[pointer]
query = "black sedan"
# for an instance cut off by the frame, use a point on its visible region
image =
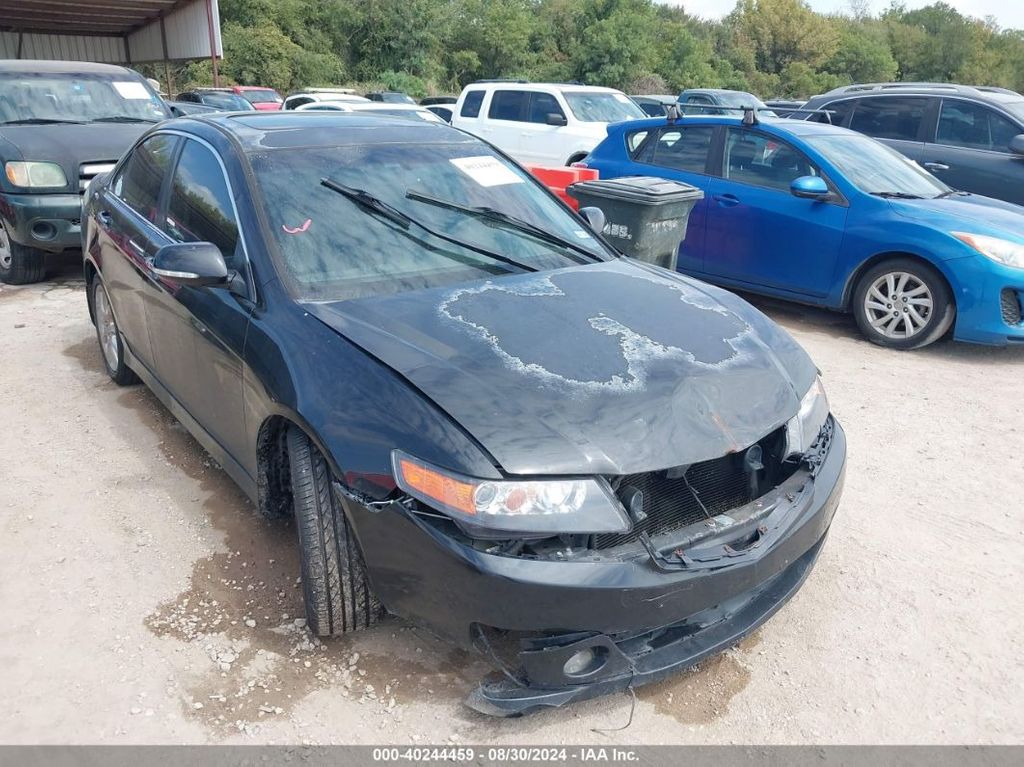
(483, 419)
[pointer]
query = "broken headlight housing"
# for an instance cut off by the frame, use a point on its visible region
(489, 508)
(802, 429)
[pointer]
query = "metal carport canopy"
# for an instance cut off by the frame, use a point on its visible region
(112, 31)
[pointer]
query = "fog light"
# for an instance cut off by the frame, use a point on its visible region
(586, 661)
(44, 230)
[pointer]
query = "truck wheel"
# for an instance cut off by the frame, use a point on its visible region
(903, 304)
(19, 265)
(109, 337)
(334, 583)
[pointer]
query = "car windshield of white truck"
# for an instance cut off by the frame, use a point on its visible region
(602, 106)
(33, 98)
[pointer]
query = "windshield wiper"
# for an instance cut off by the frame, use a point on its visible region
(950, 193)
(122, 119)
(897, 195)
(513, 222)
(40, 121)
(367, 201)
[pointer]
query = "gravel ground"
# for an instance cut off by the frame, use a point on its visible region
(144, 602)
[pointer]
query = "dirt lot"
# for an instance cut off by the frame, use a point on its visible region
(143, 601)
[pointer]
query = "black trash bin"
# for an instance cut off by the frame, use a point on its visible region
(645, 217)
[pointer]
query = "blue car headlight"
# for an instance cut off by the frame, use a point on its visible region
(1002, 251)
(517, 507)
(802, 429)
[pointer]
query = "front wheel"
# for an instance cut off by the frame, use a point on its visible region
(19, 265)
(334, 581)
(903, 304)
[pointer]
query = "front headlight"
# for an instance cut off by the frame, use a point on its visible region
(530, 507)
(33, 175)
(1004, 251)
(802, 429)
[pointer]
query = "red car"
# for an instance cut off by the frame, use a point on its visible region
(263, 99)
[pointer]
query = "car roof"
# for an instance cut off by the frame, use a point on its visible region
(522, 85)
(257, 131)
(779, 126)
(37, 66)
(253, 88)
(979, 92)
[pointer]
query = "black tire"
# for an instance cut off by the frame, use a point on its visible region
(334, 582)
(19, 265)
(921, 282)
(578, 157)
(108, 335)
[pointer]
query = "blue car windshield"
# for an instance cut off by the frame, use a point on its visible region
(876, 169)
(334, 248)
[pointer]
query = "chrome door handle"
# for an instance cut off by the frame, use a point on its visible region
(935, 166)
(136, 247)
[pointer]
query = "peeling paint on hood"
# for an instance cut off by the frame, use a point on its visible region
(610, 368)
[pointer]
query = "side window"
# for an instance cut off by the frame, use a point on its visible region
(753, 158)
(894, 117)
(541, 105)
(507, 105)
(141, 177)
(699, 101)
(471, 104)
(297, 101)
(681, 148)
(199, 208)
(634, 141)
(976, 127)
(839, 112)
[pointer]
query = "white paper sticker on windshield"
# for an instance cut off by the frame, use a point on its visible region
(486, 170)
(132, 90)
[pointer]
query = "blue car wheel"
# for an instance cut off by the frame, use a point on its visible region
(903, 304)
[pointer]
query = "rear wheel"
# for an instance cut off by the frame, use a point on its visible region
(109, 337)
(334, 582)
(903, 304)
(19, 265)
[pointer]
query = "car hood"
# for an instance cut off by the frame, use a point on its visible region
(610, 368)
(69, 145)
(969, 213)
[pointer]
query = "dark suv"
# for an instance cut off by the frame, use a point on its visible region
(61, 124)
(970, 137)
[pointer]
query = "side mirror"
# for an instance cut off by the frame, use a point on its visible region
(594, 217)
(554, 118)
(810, 188)
(191, 263)
(1017, 144)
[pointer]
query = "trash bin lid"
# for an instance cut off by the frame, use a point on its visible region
(643, 189)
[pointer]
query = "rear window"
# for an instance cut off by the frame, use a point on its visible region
(507, 105)
(261, 97)
(471, 104)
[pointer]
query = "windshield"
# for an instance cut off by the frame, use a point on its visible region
(27, 97)
(415, 114)
(602, 106)
(874, 168)
(740, 99)
(333, 249)
(1016, 108)
(261, 97)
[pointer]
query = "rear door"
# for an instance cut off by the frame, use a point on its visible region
(199, 333)
(506, 121)
(758, 233)
(971, 151)
(539, 142)
(680, 153)
(902, 122)
(127, 212)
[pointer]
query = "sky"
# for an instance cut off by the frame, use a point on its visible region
(1008, 13)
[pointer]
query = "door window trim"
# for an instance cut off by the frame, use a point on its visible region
(649, 145)
(122, 166)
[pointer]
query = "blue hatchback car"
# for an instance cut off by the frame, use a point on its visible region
(822, 215)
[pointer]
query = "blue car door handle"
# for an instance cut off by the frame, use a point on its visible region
(726, 200)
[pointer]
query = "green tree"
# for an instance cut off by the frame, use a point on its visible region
(863, 54)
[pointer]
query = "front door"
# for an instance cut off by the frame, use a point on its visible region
(126, 237)
(758, 233)
(972, 151)
(199, 333)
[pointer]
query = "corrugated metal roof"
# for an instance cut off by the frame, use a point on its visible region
(116, 31)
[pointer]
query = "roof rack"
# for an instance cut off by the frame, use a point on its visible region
(947, 87)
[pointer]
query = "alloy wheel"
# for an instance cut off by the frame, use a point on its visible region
(898, 305)
(6, 257)
(106, 328)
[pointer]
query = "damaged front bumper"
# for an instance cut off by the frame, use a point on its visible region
(609, 620)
